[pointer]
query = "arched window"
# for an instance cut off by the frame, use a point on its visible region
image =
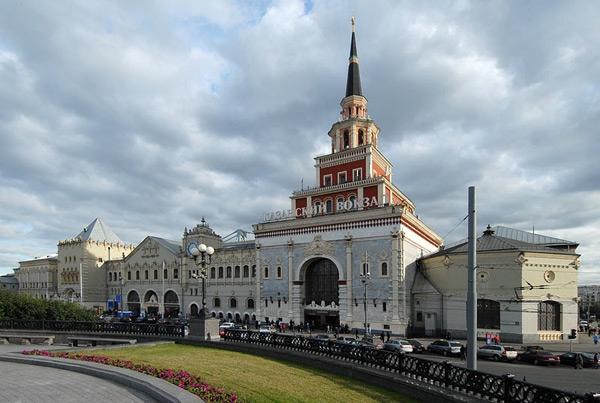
(228, 271)
(317, 208)
(145, 274)
(384, 305)
(361, 137)
(549, 315)
(220, 271)
(365, 268)
(488, 314)
(155, 274)
(109, 276)
(165, 274)
(329, 206)
(233, 303)
(250, 303)
(384, 269)
(175, 274)
(246, 271)
(129, 275)
(236, 272)
(266, 272)
(253, 270)
(137, 274)
(279, 273)
(352, 200)
(213, 272)
(217, 302)
(346, 139)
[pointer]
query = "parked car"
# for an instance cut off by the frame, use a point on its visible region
(266, 329)
(321, 337)
(227, 325)
(418, 347)
(398, 345)
(537, 357)
(569, 359)
(444, 347)
(497, 352)
(345, 340)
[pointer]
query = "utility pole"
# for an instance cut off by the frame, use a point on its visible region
(472, 286)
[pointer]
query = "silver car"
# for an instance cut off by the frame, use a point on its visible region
(497, 352)
(401, 345)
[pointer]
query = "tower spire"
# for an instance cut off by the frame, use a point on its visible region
(353, 82)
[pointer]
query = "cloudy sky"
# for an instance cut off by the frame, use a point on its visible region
(154, 114)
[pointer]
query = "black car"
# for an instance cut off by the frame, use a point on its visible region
(569, 359)
(417, 346)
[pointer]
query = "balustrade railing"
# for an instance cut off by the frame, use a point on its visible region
(133, 328)
(442, 374)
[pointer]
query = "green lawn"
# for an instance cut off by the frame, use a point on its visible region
(256, 379)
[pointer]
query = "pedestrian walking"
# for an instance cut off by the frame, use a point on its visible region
(596, 360)
(595, 338)
(388, 335)
(579, 361)
(448, 335)
(382, 337)
(463, 352)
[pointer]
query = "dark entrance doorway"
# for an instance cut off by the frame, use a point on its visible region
(321, 294)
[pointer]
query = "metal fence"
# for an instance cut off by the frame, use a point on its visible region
(133, 328)
(442, 374)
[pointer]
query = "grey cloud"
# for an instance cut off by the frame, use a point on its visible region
(154, 119)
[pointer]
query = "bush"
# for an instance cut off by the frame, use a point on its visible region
(24, 307)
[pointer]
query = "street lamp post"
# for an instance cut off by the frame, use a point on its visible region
(201, 255)
(364, 278)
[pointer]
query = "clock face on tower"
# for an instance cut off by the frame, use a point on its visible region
(190, 247)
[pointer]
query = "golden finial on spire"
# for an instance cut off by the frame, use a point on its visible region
(353, 23)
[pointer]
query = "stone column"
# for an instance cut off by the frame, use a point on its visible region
(349, 302)
(290, 278)
(395, 272)
(257, 284)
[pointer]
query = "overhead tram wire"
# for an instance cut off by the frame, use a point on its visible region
(455, 227)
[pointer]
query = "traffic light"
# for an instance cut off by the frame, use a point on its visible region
(573, 334)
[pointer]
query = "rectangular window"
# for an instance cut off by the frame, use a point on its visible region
(213, 272)
(357, 174)
(175, 274)
(419, 316)
(253, 270)
(341, 177)
(129, 275)
(266, 272)
(327, 180)
(146, 275)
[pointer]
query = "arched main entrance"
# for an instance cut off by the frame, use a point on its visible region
(321, 293)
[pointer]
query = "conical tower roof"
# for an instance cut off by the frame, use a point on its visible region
(353, 86)
(97, 230)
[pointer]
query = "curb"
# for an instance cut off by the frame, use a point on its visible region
(155, 388)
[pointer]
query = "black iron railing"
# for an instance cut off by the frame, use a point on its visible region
(443, 374)
(133, 328)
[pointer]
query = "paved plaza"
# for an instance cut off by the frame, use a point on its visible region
(32, 383)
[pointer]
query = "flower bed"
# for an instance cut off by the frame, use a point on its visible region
(181, 378)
